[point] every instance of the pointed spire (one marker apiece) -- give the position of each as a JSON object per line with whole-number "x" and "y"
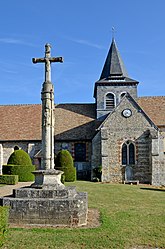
{"x": 114, "y": 65}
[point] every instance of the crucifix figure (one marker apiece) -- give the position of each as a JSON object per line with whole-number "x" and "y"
{"x": 47, "y": 60}
{"x": 47, "y": 97}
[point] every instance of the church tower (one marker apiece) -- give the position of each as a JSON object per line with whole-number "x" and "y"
{"x": 114, "y": 82}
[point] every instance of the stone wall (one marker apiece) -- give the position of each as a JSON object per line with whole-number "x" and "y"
{"x": 115, "y": 131}
{"x": 96, "y": 152}
{"x": 7, "y": 148}
{"x": 33, "y": 147}
{"x": 116, "y": 90}
{"x": 158, "y": 159}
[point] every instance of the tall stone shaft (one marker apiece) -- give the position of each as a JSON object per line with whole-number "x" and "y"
{"x": 47, "y": 97}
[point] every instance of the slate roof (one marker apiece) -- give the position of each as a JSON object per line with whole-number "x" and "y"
{"x": 72, "y": 121}
{"x": 114, "y": 71}
{"x": 113, "y": 64}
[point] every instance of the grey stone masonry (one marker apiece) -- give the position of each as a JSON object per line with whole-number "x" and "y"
{"x": 116, "y": 90}
{"x": 147, "y": 140}
{"x": 47, "y": 207}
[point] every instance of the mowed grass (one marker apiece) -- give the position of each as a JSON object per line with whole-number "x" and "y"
{"x": 130, "y": 217}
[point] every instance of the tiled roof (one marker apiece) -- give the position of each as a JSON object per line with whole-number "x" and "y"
{"x": 154, "y": 107}
{"x": 20, "y": 122}
{"x": 23, "y": 122}
{"x": 72, "y": 121}
{"x": 75, "y": 121}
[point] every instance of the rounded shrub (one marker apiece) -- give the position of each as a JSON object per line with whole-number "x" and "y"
{"x": 64, "y": 162}
{"x": 19, "y": 157}
{"x": 19, "y": 163}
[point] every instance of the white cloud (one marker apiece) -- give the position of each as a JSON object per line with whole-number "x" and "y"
{"x": 87, "y": 43}
{"x": 15, "y": 41}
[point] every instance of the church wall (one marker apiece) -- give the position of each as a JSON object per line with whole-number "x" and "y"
{"x": 116, "y": 90}
{"x": 96, "y": 152}
{"x": 117, "y": 130}
{"x": 30, "y": 147}
{"x": 83, "y": 167}
{"x": 158, "y": 159}
{"x": 8, "y": 149}
{"x": 1, "y": 158}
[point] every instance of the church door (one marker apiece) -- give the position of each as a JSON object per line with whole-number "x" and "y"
{"x": 128, "y": 173}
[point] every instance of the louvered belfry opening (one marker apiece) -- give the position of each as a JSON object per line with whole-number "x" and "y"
{"x": 110, "y": 101}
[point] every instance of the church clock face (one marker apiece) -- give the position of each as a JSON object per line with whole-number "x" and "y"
{"x": 127, "y": 113}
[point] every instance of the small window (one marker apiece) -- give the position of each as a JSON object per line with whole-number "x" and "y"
{"x": 131, "y": 153}
{"x": 122, "y": 95}
{"x": 16, "y": 147}
{"x": 128, "y": 153}
{"x": 110, "y": 101}
{"x": 124, "y": 154}
{"x": 80, "y": 152}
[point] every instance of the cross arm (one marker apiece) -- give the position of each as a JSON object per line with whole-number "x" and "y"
{"x": 37, "y": 60}
{"x": 52, "y": 59}
{"x": 56, "y": 59}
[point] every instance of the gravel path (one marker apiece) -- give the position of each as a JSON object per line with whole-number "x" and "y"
{"x": 8, "y": 189}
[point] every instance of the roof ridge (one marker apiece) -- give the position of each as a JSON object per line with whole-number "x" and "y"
{"x": 151, "y": 97}
{"x": 20, "y": 105}
{"x": 75, "y": 104}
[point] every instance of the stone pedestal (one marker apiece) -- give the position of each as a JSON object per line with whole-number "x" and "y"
{"x": 45, "y": 204}
{"x": 48, "y": 179}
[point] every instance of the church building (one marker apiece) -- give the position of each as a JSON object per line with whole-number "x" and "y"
{"x": 121, "y": 132}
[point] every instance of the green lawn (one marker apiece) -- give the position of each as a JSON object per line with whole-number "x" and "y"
{"x": 130, "y": 217}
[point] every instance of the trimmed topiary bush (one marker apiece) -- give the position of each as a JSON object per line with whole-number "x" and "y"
{"x": 9, "y": 179}
{"x": 64, "y": 162}
{"x": 19, "y": 157}
{"x": 4, "y": 214}
{"x": 19, "y": 163}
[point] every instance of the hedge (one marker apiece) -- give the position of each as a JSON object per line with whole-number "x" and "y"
{"x": 9, "y": 179}
{"x": 23, "y": 172}
{"x": 4, "y": 214}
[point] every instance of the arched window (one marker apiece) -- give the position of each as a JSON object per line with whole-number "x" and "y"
{"x": 16, "y": 147}
{"x": 128, "y": 153}
{"x": 110, "y": 101}
{"x": 124, "y": 154}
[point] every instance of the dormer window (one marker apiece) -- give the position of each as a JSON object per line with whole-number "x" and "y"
{"x": 110, "y": 101}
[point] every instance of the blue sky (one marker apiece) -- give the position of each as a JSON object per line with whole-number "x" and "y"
{"x": 80, "y": 31}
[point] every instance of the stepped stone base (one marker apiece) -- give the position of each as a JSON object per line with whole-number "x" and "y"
{"x": 47, "y": 206}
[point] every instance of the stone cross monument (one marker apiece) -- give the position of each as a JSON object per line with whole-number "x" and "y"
{"x": 47, "y": 202}
{"x": 47, "y": 96}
